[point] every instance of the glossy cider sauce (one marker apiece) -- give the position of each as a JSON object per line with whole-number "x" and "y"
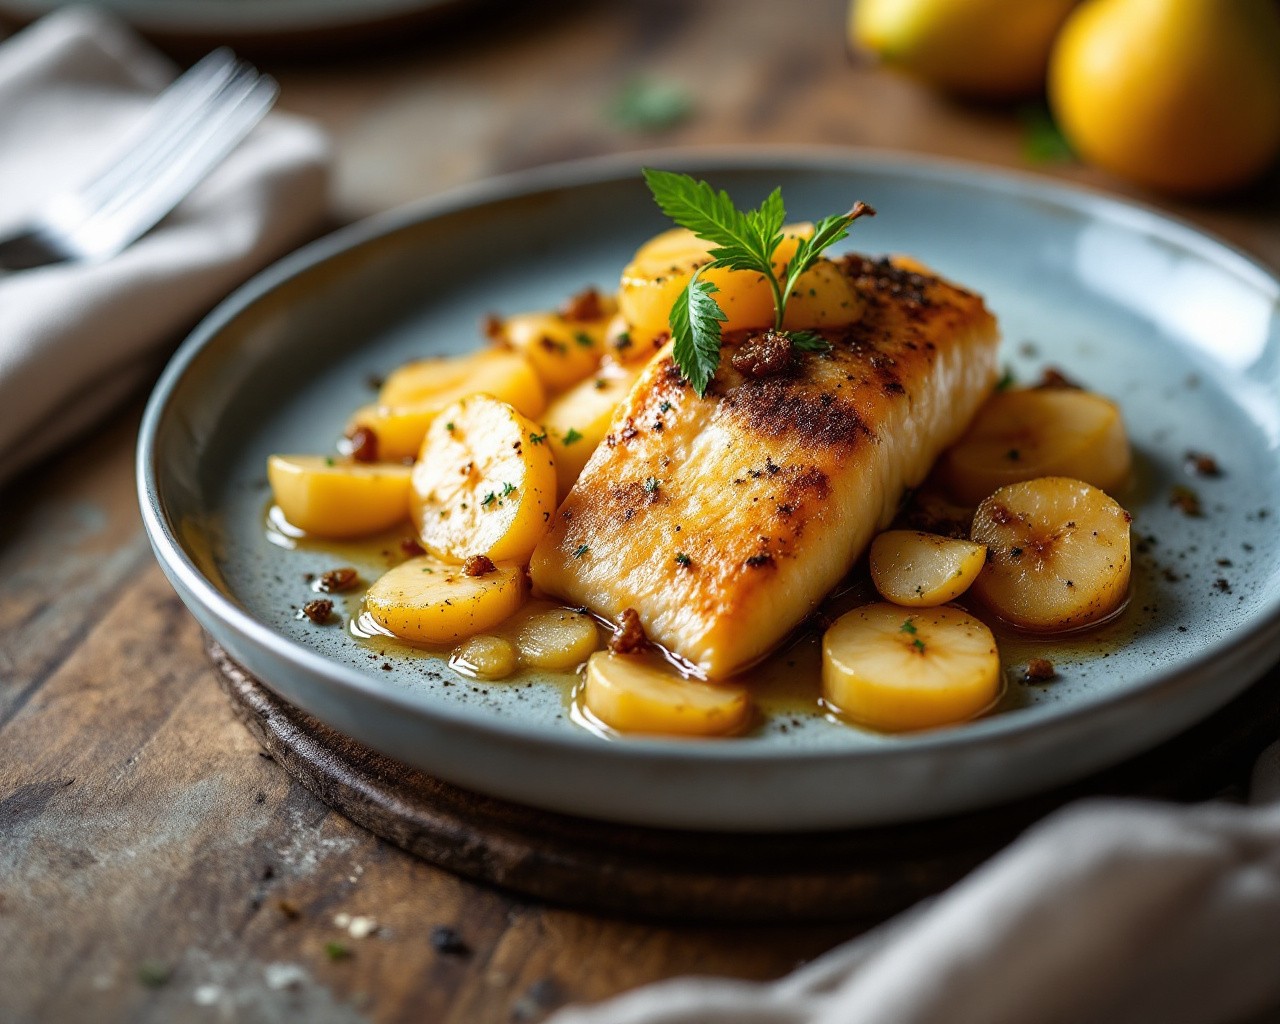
{"x": 785, "y": 686}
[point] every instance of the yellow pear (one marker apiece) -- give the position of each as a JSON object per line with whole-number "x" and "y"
{"x": 989, "y": 48}
{"x": 1178, "y": 95}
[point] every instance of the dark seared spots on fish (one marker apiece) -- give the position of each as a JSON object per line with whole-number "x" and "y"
{"x": 626, "y": 499}
{"x": 798, "y": 483}
{"x": 774, "y": 407}
{"x": 626, "y": 433}
{"x": 878, "y": 278}
{"x": 886, "y": 373}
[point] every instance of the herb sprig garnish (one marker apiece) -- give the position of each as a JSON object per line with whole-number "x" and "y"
{"x": 743, "y": 240}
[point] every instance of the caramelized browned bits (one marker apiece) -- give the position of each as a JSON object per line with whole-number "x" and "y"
{"x": 318, "y": 611}
{"x": 337, "y": 580}
{"x": 478, "y": 565}
{"x": 630, "y": 636}
{"x": 584, "y": 307}
{"x": 1039, "y": 670}
{"x": 364, "y": 445}
{"x": 763, "y": 355}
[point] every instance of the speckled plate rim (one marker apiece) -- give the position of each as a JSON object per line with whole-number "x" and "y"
{"x": 1240, "y": 657}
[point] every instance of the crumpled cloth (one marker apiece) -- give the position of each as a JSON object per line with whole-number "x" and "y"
{"x": 77, "y": 338}
{"x": 1120, "y": 911}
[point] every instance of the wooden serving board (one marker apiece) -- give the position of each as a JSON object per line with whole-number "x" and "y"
{"x": 856, "y": 875}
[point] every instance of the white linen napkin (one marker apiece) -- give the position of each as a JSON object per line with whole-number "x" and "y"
{"x": 76, "y": 338}
{"x": 1109, "y": 911}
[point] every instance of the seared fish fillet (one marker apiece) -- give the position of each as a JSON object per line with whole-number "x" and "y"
{"x": 723, "y": 521}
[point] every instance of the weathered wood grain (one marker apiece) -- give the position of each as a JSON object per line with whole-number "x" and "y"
{"x": 69, "y": 534}
{"x": 140, "y": 830}
{"x": 859, "y": 875}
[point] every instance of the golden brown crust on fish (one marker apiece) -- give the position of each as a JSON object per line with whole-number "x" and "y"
{"x": 723, "y": 521}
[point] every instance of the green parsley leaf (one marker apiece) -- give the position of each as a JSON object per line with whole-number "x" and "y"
{"x": 651, "y": 484}
{"x": 449, "y": 426}
{"x": 809, "y": 341}
{"x": 580, "y": 550}
{"x": 826, "y": 233}
{"x": 583, "y": 339}
{"x": 767, "y": 223}
{"x": 918, "y": 644}
{"x": 907, "y": 627}
{"x": 695, "y": 328}
{"x": 537, "y": 438}
{"x": 507, "y": 488}
{"x": 571, "y": 437}
{"x": 683, "y": 560}
{"x": 741, "y": 241}
{"x": 488, "y": 500}
{"x": 712, "y": 216}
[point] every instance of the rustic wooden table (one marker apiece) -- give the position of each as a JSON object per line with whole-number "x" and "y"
{"x": 153, "y": 865}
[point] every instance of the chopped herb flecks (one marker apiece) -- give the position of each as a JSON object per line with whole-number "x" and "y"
{"x": 537, "y": 438}
{"x": 571, "y": 437}
{"x": 651, "y": 485}
{"x": 683, "y": 560}
{"x": 580, "y": 550}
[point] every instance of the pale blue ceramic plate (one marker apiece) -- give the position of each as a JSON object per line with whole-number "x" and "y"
{"x": 1177, "y": 326}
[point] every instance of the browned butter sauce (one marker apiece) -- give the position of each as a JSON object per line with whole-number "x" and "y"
{"x": 785, "y": 686}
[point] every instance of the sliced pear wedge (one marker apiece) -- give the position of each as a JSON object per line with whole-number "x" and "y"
{"x": 629, "y": 693}
{"x": 1057, "y": 554}
{"x": 897, "y": 670}
{"x": 922, "y": 570}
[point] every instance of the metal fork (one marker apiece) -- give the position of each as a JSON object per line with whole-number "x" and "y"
{"x": 188, "y": 131}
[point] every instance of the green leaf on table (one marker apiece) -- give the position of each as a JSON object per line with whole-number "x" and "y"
{"x": 651, "y": 105}
{"x": 1042, "y": 139}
